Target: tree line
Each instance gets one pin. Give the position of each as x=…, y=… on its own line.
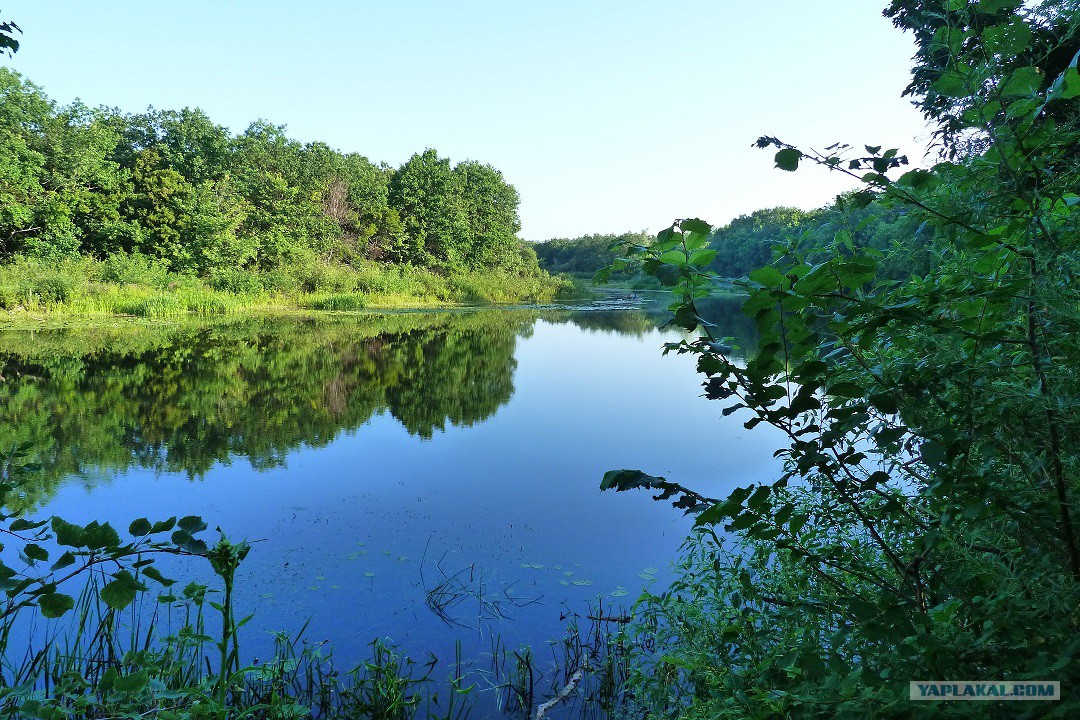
x=174, y=186
x=750, y=241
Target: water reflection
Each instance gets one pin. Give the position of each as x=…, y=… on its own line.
x=98, y=402
x=371, y=455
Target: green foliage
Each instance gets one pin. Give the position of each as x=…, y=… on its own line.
x=924, y=525
x=585, y=256
x=76, y=550
x=92, y=665
x=174, y=187
x=8, y=43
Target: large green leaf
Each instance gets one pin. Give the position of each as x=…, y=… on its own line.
x=55, y=604
x=121, y=591
x=788, y=159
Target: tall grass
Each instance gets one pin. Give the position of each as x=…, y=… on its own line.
x=134, y=285
x=161, y=659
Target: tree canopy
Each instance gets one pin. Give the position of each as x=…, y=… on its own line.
x=175, y=186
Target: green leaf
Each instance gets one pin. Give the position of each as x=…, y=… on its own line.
x=767, y=276
x=36, y=552
x=621, y=480
x=695, y=225
x=1007, y=39
x=55, y=604
x=757, y=501
x=22, y=524
x=951, y=84
x=933, y=453
x=131, y=683
x=163, y=526
x=1072, y=84
x=915, y=178
x=798, y=520
x=788, y=159
x=64, y=561
x=701, y=258
x=711, y=515
x=1023, y=81
x=154, y=574
x=68, y=533
x=100, y=536
x=993, y=6
x=140, y=527
x=121, y=591
x=192, y=524
x=108, y=679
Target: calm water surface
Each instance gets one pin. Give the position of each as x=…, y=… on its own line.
x=373, y=457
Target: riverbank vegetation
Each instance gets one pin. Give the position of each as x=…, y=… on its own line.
x=165, y=211
x=924, y=377
x=748, y=242
x=925, y=527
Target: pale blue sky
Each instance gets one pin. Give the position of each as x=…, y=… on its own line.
x=607, y=115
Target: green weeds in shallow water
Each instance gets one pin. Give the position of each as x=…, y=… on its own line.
x=158, y=657
x=133, y=644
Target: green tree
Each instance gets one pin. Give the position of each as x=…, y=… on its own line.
x=286, y=218
x=490, y=206
x=924, y=524
x=186, y=141
x=427, y=195
x=159, y=209
x=56, y=184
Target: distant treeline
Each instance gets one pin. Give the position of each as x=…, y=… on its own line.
x=751, y=241
x=178, y=188
x=583, y=256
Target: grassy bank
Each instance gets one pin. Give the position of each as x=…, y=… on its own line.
x=135, y=286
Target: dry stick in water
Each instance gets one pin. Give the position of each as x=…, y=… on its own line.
x=563, y=694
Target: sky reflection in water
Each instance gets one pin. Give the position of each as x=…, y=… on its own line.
x=371, y=460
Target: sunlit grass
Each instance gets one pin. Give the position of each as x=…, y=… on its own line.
x=128, y=285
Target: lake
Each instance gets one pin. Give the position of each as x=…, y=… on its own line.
x=376, y=459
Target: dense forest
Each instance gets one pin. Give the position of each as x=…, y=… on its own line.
x=248, y=212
